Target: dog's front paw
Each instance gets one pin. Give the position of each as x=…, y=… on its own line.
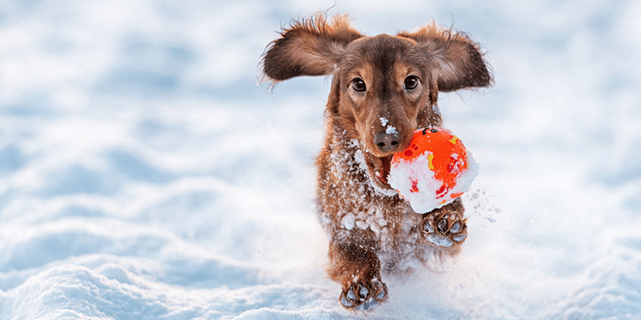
x=444, y=228
x=362, y=294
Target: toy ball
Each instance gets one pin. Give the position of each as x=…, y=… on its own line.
x=433, y=171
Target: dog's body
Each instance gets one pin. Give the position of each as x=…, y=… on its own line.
x=383, y=89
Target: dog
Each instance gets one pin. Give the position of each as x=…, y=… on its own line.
x=378, y=83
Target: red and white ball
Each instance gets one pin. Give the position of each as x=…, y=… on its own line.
x=433, y=171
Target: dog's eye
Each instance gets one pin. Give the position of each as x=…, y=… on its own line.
x=411, y=82
x=358, y=85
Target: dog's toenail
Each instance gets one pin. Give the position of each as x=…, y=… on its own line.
x=351, y=295
x=346, y=303
x=442, y=226
x=428, y=227
x=363, y=292
x=456, y=227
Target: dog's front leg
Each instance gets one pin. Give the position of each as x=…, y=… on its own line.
x=355, y=265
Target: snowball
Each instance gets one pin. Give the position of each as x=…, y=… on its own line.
x=348, y=221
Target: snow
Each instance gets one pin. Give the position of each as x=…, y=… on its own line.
x=390, y=130
x=145, y=175
x=348, y=221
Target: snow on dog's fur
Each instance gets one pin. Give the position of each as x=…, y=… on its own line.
x=383, y=89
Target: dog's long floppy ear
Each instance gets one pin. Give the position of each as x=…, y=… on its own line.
x=309, y=47
x=455, y=60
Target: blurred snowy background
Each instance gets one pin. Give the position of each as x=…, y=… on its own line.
x=145, y=175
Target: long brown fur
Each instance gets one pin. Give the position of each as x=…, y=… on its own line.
x=378, y=82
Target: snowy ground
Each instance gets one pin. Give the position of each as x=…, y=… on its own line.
x=145, y=175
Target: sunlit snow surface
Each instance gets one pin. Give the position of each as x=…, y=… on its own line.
x=145, y=175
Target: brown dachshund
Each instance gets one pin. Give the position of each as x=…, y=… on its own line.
x=383, y=89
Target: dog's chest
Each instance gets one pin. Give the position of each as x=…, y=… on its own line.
x=395, y=229
x=393, y=225
x=351, y=204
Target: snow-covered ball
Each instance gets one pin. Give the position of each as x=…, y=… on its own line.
x=433, y=171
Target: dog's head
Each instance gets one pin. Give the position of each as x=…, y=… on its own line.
x=384, y=87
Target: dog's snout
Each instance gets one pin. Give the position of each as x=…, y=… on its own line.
x=387, y=142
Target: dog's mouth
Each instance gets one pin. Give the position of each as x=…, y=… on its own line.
x=379, y=169
x=383, y=172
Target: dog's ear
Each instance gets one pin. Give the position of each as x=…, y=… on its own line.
x=454, y=59
x=310, y=47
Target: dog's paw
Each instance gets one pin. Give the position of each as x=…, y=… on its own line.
x=444, y=228
x=363, y=295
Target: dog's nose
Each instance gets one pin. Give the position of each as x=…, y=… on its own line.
x=387, y=142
